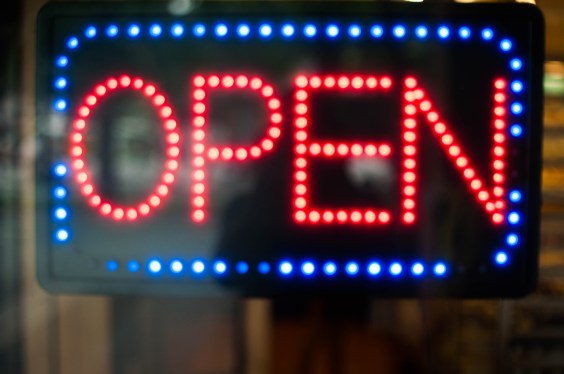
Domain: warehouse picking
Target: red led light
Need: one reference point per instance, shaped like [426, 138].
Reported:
[200, 95]
[415, 97]
[78, 150]
[304, 88]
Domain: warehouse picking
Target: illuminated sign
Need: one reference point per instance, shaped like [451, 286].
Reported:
[286, 148]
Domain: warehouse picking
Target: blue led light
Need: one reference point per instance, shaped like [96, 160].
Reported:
[374, 268]
[517, 86]
[286, 267]
[60, 170]
[505, 45]
[376, 31]
[243, 30]
[72, 42]
[332, 31]
[512, 240]
[199, 30]
[516, 130]
[352, 268]
[112, 265]
[417, 269]
[421, 32]
[60, 105]
[62, 235]
[242, 267]
[443, 32]
[221, 30]
[90, 32]
[154, 266]
[61, 213]
[464, 32]
[176, 266]
[396, 268]
[220, 267]
[60, 83]
[177, 30]
[515, 196]
[308, 268]
[399, 31]
[198, 267]
[288, 30]
[514, 218]
[516, 64]
[112, 31]
[310, 31]
[133, 31]
[330, 268]
[501, 258]
[62, 61]
[133, 266]
[354, 31]
[60, 192]
[487, 34]
[263, 268]
[516, 108]
[155, 30]
[439, 269]
[265, 30]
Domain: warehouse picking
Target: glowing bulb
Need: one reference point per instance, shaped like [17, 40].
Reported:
[61, 213]
[516, 86]
[286, 267]
[515, 196]
[221, 30]
[512, 240]
[220, 267]
[133, 266]
[155, 266]
[62, 61]
[501, 258]
[376, 31]
[332, 31]
[505, 45]
[399, 31]
[308, 268]
[440, 269]
[265, 30]
[112, 31]
[421, 32]
[177, 30]
[176, 266]
[62, 235]
[354, 31]
[155, 30]
[263, 268]
[90, 32]
[396, 268]
[133, 31]
[443, 32]
[60, 105]
[288, 30]
[464, 32]
[310, 31]
[352, 268]
[513, 218]
[60, 170]
[417, 269]
[112, 265]
[198, 267]
[60, 192]
[60, 83]
[243, 30]
[199, 30]
[72, 43]
[516, 108]
[487, 34]
[516, 64]
[374, 268]
[330, 268]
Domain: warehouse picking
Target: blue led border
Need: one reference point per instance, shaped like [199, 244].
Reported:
[292, 31]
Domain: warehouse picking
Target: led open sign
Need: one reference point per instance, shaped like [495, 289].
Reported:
[290, 148]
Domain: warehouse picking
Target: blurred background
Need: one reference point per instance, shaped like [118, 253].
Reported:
[42, 333]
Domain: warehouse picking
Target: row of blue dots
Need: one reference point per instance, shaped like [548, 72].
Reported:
[285, 268]
[290, 30]
[60, 212]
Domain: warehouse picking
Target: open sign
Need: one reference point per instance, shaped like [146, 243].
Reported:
[278, 149]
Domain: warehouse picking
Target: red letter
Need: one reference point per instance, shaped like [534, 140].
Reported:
[305, 149]
[77, 149]
[416, 101]
[201, 151]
